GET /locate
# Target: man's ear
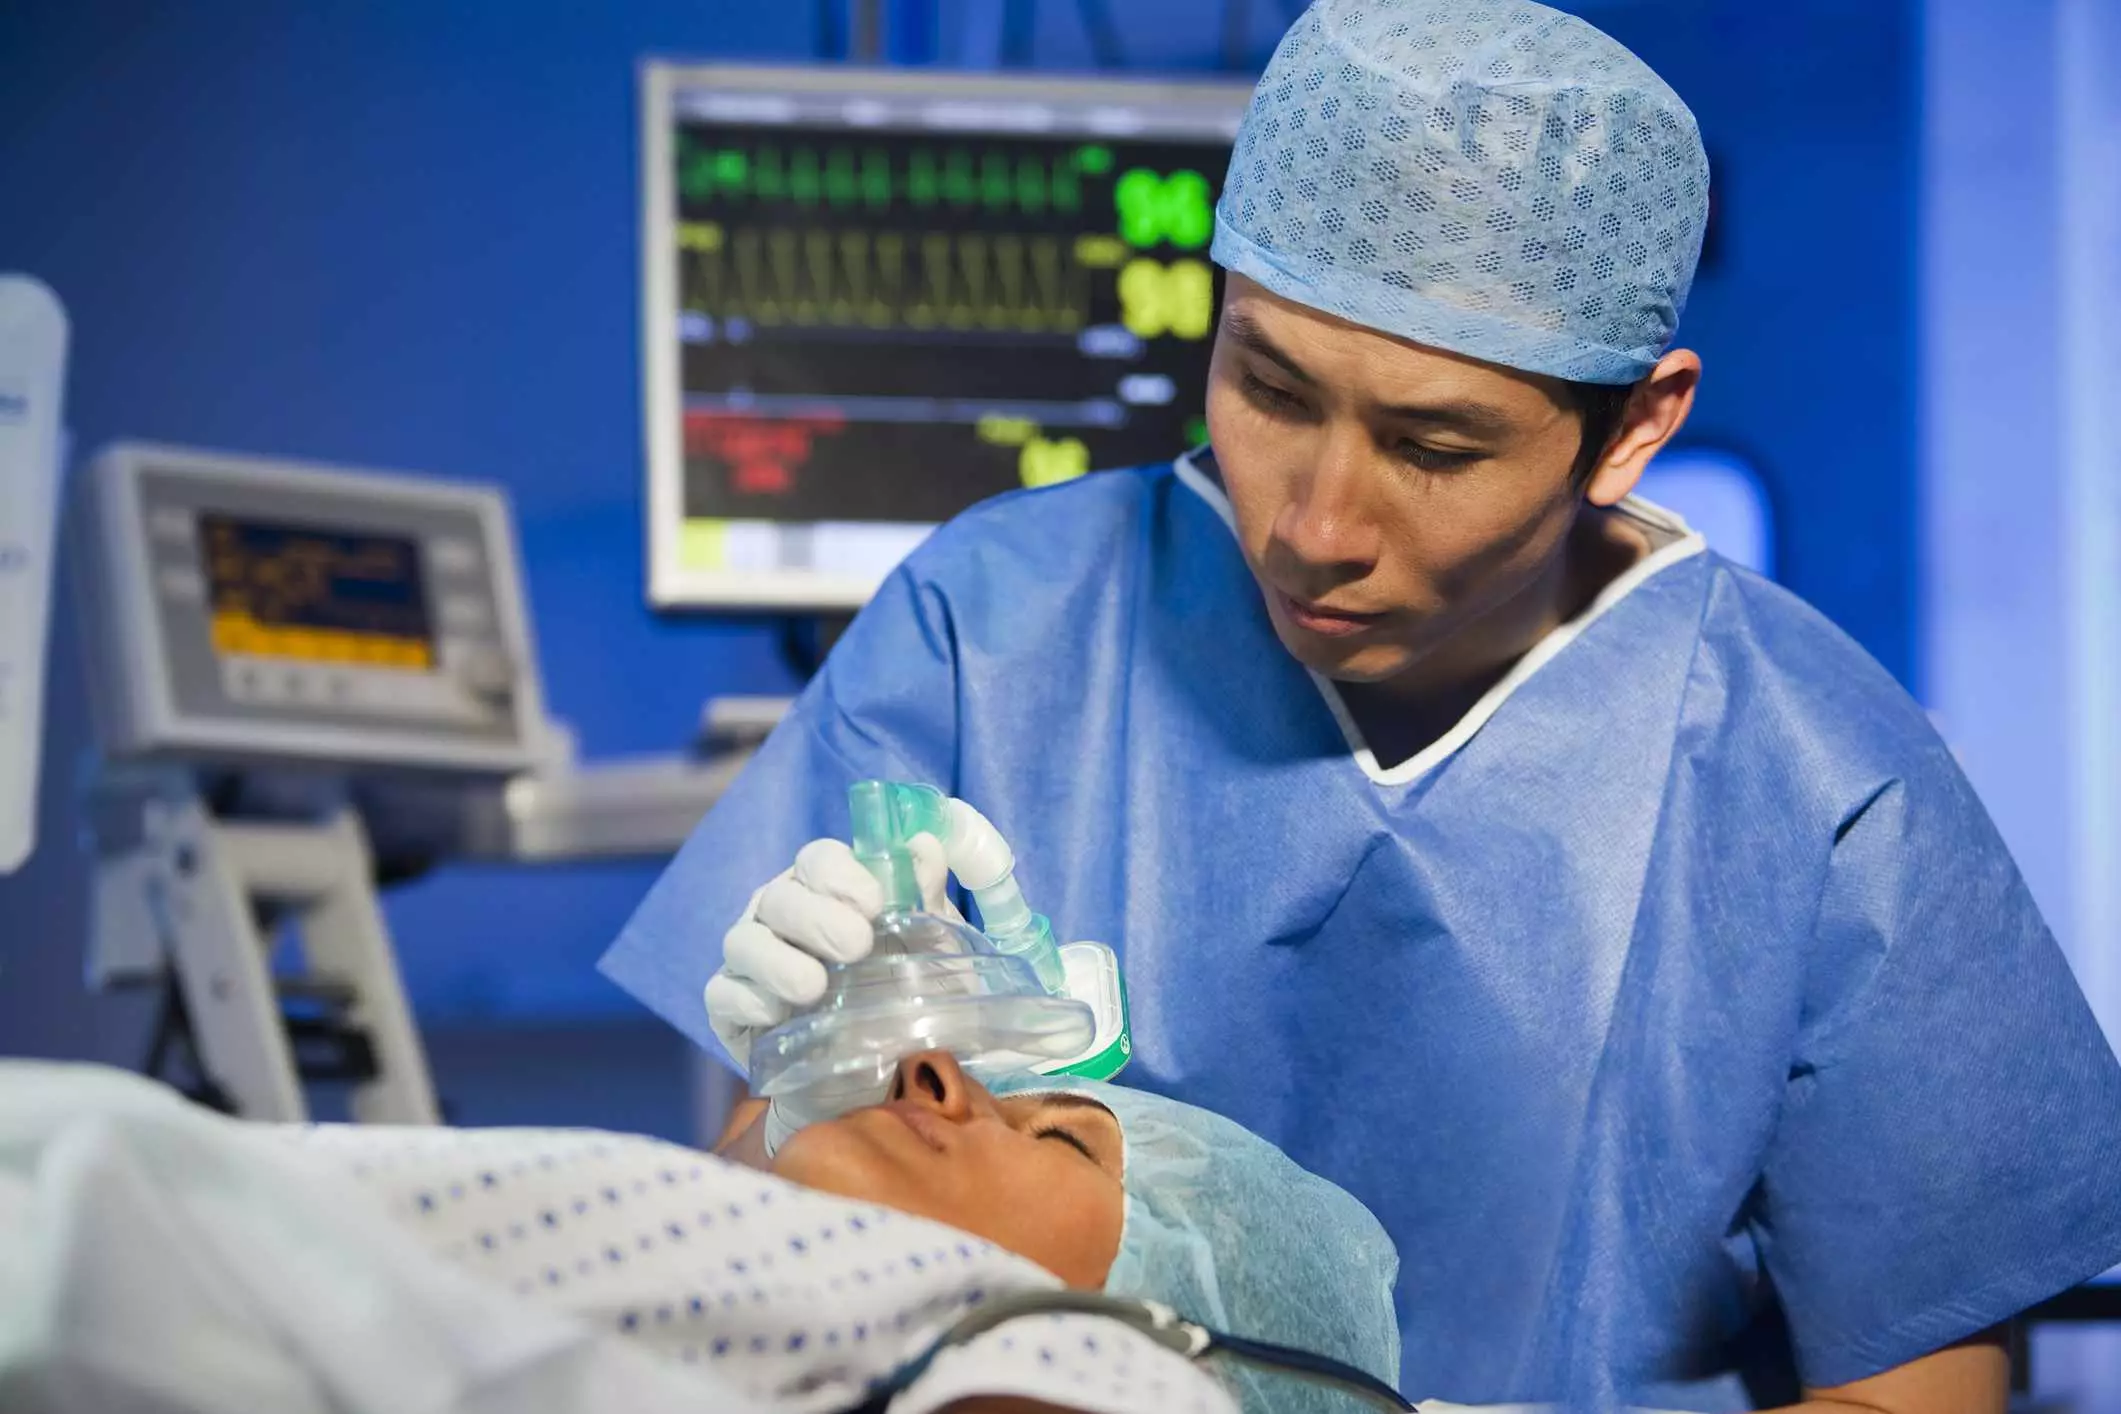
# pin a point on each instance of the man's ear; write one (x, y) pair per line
(1656, 410)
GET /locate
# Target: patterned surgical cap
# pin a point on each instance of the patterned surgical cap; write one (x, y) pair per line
(1489, 177)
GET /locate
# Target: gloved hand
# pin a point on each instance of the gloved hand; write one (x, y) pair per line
(819, 911)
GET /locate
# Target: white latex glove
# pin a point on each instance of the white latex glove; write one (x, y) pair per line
(819, 911)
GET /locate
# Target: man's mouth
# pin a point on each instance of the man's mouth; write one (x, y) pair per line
(1323, 620)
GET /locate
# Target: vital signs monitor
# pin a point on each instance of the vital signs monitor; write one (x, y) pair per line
(872, 299)
(243, 608)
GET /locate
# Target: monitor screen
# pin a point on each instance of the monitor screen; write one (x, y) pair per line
(873, 300)
(312, 595)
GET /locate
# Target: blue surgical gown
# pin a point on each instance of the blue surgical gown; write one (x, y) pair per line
(1696, 971)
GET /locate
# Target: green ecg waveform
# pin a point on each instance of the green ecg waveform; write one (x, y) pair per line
(948, 177)
(884, 280)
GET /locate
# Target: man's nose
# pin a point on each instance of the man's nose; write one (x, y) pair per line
(934, 1079)
(1324, 525)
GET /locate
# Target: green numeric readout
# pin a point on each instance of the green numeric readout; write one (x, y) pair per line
(1178, 208)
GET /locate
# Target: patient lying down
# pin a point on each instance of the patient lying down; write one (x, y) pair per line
(156, 1257)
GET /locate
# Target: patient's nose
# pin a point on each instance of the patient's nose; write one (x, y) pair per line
(932, 1078)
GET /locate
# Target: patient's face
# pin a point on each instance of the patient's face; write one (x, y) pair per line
(1037, 1174)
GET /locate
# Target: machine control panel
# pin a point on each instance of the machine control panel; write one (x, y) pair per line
(250, 608)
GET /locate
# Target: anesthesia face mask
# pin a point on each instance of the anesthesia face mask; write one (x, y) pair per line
(1004, 1000)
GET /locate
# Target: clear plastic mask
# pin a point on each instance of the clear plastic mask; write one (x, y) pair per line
(930, 984)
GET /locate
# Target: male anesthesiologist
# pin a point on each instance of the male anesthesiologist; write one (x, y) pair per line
(1593, 910)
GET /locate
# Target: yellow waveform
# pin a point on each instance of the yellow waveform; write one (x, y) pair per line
(699, 235)
(1005, 431)
(884, 280)
(1101, 252)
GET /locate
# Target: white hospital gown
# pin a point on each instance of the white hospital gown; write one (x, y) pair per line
(154, 1257)
(796, 1296)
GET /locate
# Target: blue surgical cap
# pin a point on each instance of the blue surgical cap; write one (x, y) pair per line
(1489, 177)
(1228, 1231)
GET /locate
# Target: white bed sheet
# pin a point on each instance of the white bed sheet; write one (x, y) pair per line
(157, 1259)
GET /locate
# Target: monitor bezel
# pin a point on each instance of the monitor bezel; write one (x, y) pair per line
(670, 587)
(138, 715)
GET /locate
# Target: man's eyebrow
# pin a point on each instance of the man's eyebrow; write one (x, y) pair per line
(1460, 414)
(1244, 329)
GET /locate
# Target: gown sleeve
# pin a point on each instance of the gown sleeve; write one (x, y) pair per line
(884, 705)
(1949, 1149)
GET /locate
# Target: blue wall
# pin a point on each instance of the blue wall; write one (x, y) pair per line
(403, 235)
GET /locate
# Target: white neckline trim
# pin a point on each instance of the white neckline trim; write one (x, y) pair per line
(1689, 544)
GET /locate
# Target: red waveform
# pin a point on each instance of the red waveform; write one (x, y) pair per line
(763, 454)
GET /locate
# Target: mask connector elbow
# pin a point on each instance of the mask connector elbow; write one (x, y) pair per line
(984, 864)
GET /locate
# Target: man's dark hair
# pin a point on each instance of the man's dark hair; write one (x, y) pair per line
(1600, 406)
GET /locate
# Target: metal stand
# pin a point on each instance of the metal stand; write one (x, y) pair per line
(181, 891)
(199, 869)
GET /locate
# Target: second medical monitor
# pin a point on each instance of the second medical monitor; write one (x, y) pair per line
(873, 299)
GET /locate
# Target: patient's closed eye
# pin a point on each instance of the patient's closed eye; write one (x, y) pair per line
(1069, 1139)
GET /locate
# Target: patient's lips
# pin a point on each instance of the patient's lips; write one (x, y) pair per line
(927, 1126)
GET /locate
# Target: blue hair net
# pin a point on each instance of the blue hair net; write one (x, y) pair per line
(1489, 177)
(1227, 1230)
